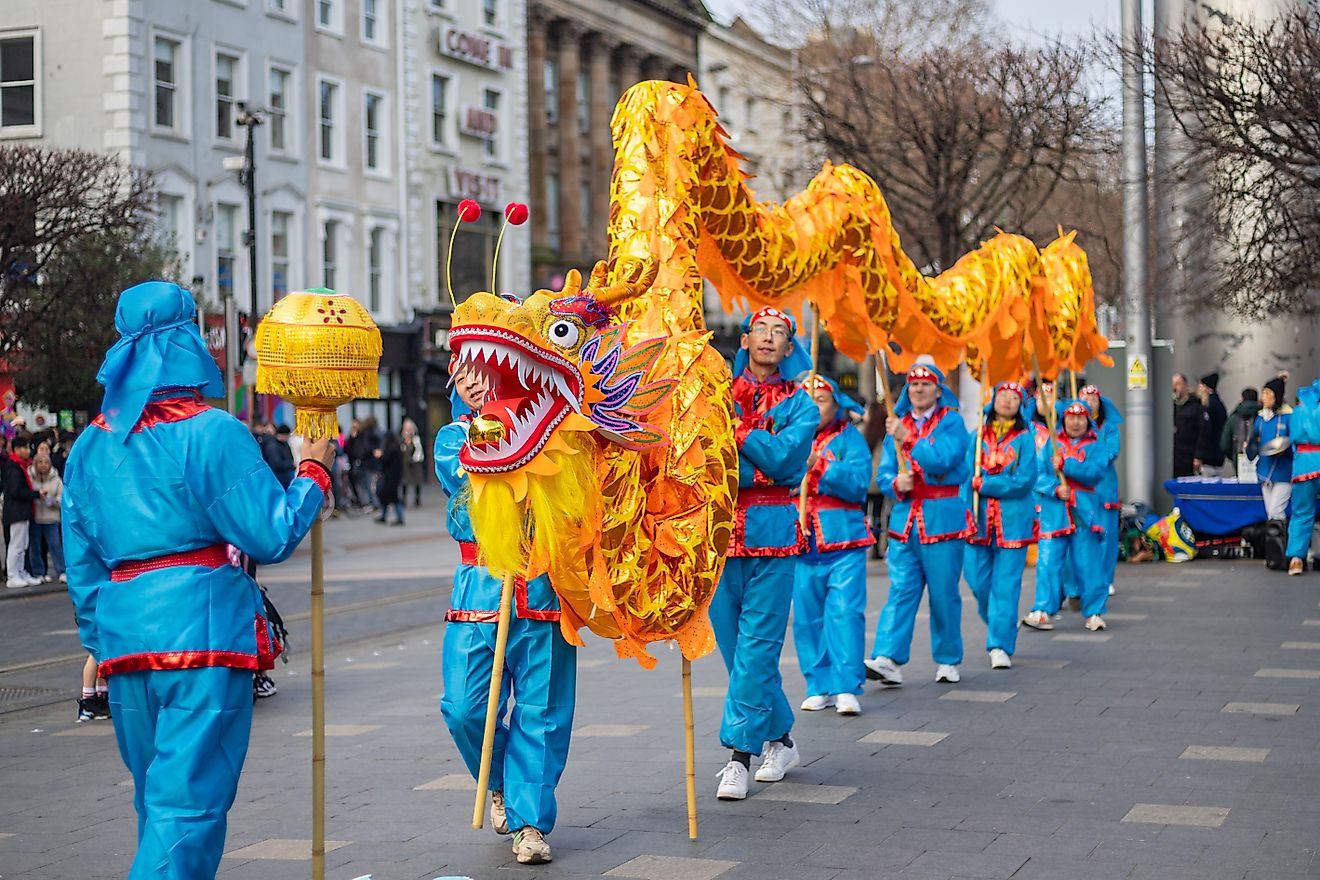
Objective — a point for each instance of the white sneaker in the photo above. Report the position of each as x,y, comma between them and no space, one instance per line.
16,583
816,703
999,659
1095,623
64,578
947,674
530,847
776,760
499,820
1111,589
883,670
33,581
733,782
848,705
1038,620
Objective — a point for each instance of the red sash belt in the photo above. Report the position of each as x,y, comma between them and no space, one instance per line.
926,492
828,502
215,556
1308,447
769,496
468,553
1078,487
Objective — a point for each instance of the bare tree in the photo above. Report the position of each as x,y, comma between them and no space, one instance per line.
963,129
51,200
1246,98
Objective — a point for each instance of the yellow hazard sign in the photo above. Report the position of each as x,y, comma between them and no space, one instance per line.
1137,376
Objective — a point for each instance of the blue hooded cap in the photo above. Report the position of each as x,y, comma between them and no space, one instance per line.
159,347
798,359
930,373
845,403
1017,389
1112,415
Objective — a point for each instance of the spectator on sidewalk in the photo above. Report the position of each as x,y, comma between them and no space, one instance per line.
45,532
414,462
279,455
1209,461
1233,440
19,505
1273,469
1186,427
94,704
390,459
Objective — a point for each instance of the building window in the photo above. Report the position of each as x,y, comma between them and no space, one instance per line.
439,109
490,13
749,115
167,83
226,93
168,230
375,267
581,92
18,82
374,154
490,100
370,21
281,222
552,210
226,237
329,254
550,79
329,131
725,109
329,16
278,109
474,249
286,8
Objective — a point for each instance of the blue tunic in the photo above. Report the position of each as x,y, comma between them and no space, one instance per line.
1272,468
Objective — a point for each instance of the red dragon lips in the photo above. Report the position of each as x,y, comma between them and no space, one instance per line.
532,390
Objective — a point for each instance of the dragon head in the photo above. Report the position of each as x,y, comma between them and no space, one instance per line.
554,359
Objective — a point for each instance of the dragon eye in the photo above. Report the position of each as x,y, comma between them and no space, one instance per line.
564,334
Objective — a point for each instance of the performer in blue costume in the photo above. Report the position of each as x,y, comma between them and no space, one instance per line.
1305,475
927,526
1108,420
829,592
155,493
1072,514
1005,519
540,671
749,612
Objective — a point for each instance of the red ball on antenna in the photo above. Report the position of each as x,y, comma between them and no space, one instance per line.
469,211
515,213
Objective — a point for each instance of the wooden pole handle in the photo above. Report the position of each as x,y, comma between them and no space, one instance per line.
690,749
318,701
493,702
811,387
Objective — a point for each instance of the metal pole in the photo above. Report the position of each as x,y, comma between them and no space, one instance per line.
1139,444
250,120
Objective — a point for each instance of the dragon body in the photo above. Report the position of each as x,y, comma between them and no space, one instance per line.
605,452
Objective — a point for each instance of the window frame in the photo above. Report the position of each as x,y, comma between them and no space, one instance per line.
336,25
238,93
338,161
491,7
377,273
34,129
288,114
235,281
289,257
180,85
288,12
492,149
550,84
382,133
381,18
450,120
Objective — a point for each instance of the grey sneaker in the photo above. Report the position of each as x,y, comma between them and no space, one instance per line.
530,847
883,670
498,819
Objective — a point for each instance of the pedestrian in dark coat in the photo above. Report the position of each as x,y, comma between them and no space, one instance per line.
1186,427
390,460
1209,461
279,455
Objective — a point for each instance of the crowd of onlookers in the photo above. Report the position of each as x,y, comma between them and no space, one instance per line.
31,478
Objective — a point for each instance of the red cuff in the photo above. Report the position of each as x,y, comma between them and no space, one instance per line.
316,472
977,483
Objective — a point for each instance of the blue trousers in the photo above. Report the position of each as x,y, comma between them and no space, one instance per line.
41,538
1077,557
829,620
994,575
184,736
912,567
1303,518
749,614
531,742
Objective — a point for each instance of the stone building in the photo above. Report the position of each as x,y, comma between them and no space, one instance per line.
582,55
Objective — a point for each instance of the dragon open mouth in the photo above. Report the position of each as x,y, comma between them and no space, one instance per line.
532,390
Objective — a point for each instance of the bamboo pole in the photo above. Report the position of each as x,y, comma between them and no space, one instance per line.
980,435
811,389
889,404
1050,421
318,701
493,702
690,749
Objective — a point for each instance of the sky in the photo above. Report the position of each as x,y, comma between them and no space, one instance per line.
1024,18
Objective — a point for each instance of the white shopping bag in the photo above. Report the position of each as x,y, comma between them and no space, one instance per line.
1246,469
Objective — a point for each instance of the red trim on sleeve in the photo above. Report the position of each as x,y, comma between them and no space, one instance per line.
316,472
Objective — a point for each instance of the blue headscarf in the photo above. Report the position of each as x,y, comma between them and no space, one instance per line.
845,403
797,361
159,347
1017,389
927,372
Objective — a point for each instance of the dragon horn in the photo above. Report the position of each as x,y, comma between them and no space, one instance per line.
572,283
637,276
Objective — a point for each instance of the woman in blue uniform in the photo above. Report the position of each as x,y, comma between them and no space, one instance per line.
829,592
1305,475
1004,509
1108,420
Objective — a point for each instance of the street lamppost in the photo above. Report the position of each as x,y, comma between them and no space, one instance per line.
247,176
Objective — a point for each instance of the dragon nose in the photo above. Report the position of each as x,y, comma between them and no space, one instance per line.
486,430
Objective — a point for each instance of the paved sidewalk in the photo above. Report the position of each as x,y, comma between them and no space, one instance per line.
1181,743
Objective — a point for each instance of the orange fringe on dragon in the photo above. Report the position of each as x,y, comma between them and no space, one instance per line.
606,454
